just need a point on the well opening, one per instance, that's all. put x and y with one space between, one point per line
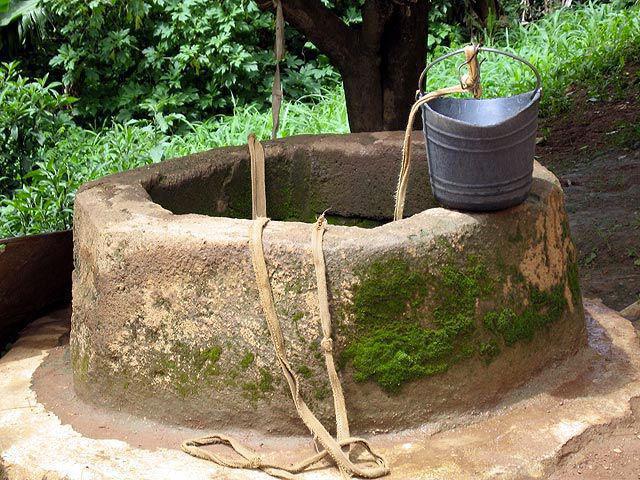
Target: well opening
300 185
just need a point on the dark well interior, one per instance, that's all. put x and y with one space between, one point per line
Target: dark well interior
357 185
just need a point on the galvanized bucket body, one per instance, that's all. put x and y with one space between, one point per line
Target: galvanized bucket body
481 150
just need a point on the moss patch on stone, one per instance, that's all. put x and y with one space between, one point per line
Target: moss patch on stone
573 278
247 360
304 371
80 363
187 368
391 345
257 390
399 338
544 308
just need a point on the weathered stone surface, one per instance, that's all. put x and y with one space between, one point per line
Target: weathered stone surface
632 312
441 312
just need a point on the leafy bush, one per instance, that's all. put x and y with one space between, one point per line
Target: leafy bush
149 58
588 44
32 116
44 203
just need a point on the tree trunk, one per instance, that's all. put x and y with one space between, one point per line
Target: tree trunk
380 61
483 8
380 83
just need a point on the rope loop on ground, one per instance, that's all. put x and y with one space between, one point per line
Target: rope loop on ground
336 450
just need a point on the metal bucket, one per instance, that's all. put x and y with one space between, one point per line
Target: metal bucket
481 151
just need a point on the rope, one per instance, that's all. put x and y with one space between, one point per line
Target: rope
333 449
276 89
258 197
340 409
468 83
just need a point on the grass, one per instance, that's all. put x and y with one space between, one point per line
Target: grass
44 203
586 44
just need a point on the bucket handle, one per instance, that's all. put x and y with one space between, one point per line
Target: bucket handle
423 75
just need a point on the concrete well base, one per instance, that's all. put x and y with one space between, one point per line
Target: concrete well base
46 432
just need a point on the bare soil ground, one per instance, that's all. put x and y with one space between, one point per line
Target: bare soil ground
595 151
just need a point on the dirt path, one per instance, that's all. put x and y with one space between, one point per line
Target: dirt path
611 453
595 151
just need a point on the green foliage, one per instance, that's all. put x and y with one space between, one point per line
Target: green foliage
151 58
588 45
44 202
489 350
32 116
15 10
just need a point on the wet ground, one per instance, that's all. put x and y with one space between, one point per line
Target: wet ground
595 151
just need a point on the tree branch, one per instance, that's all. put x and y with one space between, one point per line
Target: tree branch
320 26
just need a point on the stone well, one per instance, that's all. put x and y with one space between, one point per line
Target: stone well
441 313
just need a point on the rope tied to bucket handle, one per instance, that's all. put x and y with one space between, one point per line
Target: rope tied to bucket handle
469 82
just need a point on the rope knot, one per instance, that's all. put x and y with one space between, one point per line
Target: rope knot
327 345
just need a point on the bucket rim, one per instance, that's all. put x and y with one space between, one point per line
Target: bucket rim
534 94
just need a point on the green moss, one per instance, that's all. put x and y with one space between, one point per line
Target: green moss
189 369
80 364
251 391
247 360
399 337
212 354
296 317
544 308
573 279
305 371
265 384
391 346
388 291
205 361
257 390
489 350
184 386
321 393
